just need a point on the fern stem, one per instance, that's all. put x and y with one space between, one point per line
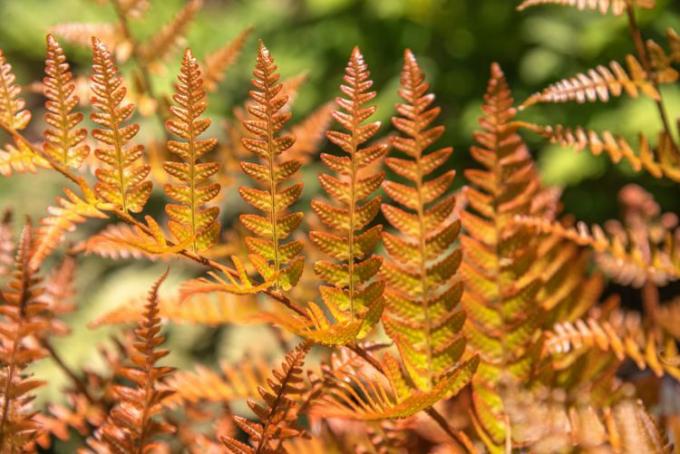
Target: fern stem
638 41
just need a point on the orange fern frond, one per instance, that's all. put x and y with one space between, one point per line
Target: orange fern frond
277 417
159 46
238 284
13 116
205 310
242 380
275 260
216 64
63 218
634 259
664 161
64 139
21 308
20 158
135 421
616 7
191 221
356 396
117 241
422 312
81 33
355 294
598 84
501 288
121 177
623 335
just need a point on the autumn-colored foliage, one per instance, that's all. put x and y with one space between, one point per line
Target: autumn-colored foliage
412 317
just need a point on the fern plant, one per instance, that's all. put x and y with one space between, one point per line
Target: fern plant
432 320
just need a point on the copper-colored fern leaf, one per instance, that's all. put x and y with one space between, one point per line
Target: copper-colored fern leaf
64 138
633 259
357 396
621 334
13 116
276 260
237 284
501 289
277 417
162 43
21 310
20 158
191 221
121 178
62 219
135 422
216 64
118 241
422 311
616 7
664 161
354 295
598 85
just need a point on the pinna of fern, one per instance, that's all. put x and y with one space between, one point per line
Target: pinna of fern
21 316
422 312
277 417
501 285
353 295
135 422
276 260
13 116
121 178
616 7
191 222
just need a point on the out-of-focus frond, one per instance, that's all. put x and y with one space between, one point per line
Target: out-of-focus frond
616 7
216 64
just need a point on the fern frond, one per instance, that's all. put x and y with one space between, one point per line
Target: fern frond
422 312
118 241
275 260
355 290
216 64
161 44
20 158
81 33
664 161
206 310
191 220
237 285
277 417
623 335
135 421
63 218
616 7
501 287
21 310
632 261
120 179
356 396
242 380
13 116
599 84
64 139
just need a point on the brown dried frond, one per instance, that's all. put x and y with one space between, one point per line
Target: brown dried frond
620 333
599 84
617 7
216 64
664 161
120 180
13 116
161 44
277 417
136 421
64 140
21 317
192 221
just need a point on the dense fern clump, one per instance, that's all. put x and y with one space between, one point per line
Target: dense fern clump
411 316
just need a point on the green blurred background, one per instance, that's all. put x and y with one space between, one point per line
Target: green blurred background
455 41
